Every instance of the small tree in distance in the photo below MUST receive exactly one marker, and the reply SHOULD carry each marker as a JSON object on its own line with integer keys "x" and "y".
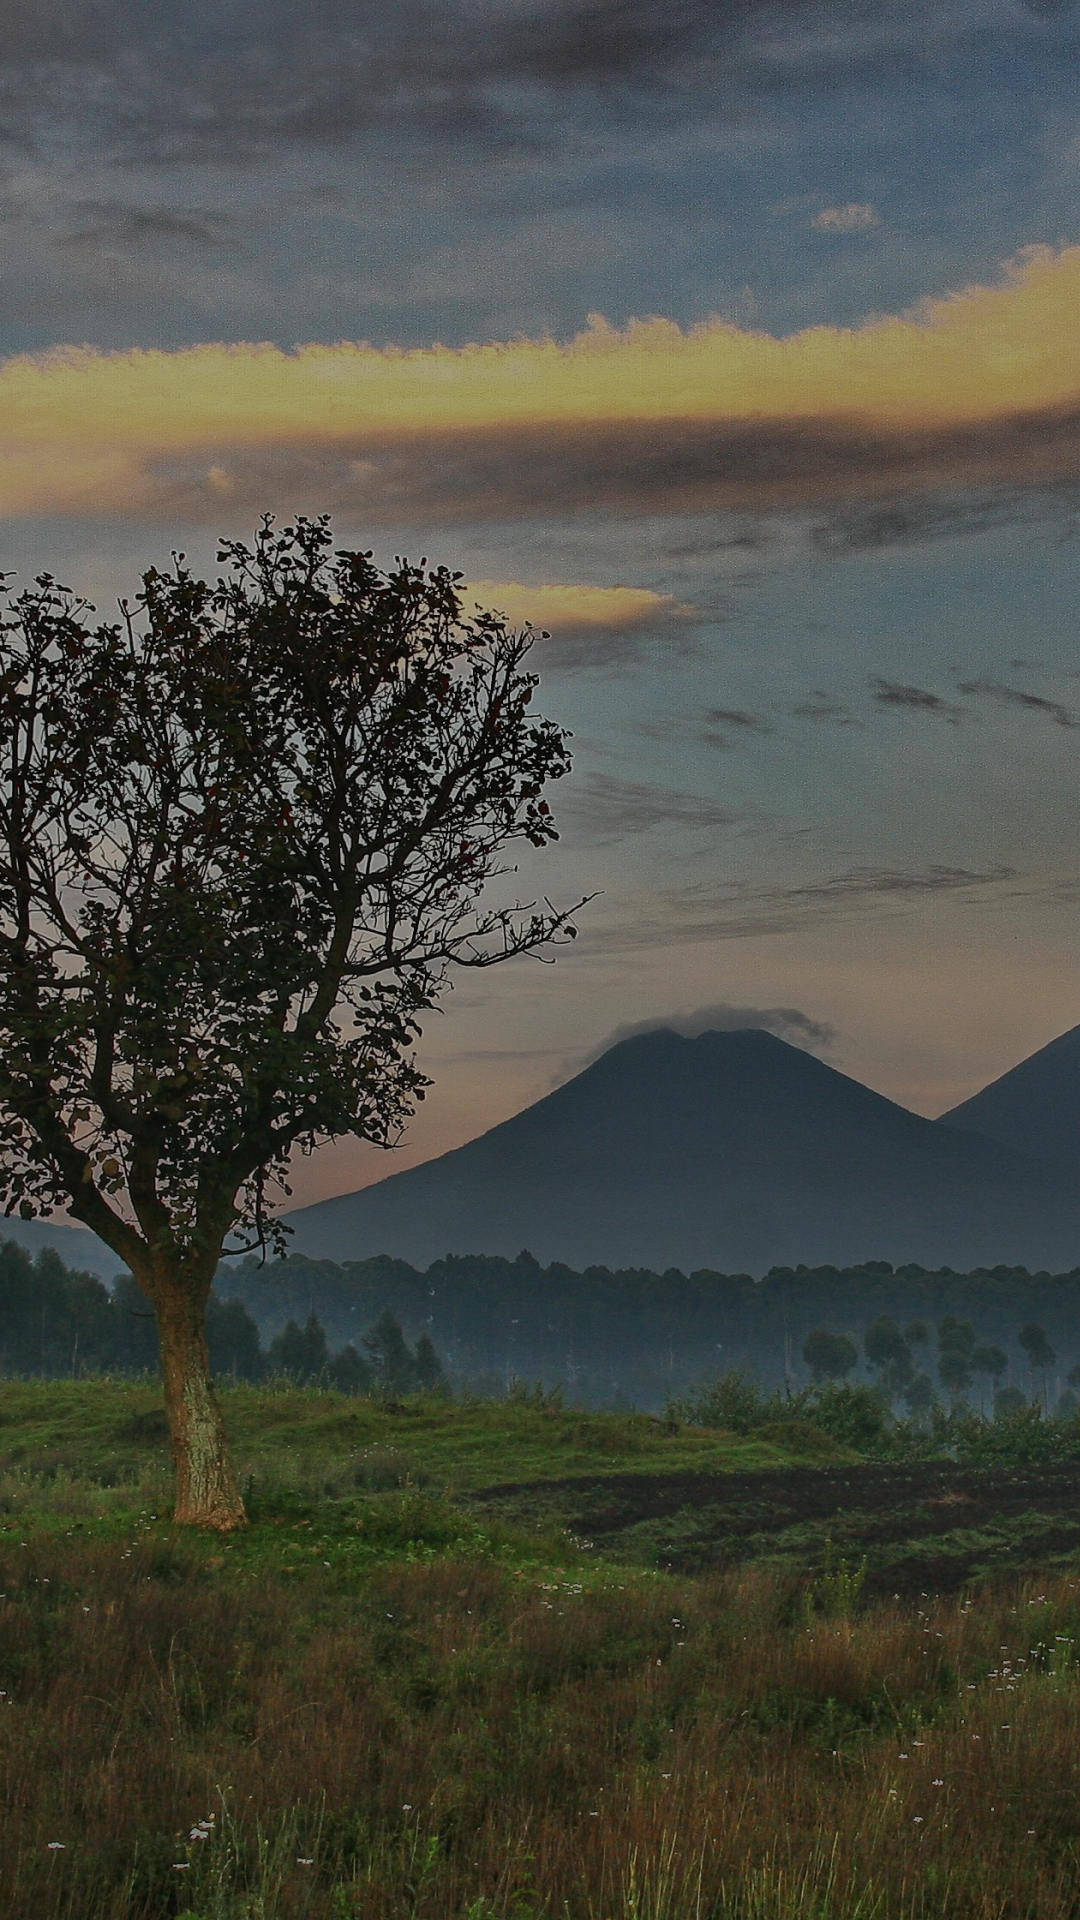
{"x": 245, "y": 833}
{"x": 300, "y": 1353}
{"x": 956, "y": 1343}
{"x": 391, "y": 1358}
{"x": 1040, "y": 1353}
{"x": 887, "y": 1350}
{"x": 829, "y": 1356}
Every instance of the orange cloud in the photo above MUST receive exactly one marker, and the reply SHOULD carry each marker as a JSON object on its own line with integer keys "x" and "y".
{"x": 982, "y": 383}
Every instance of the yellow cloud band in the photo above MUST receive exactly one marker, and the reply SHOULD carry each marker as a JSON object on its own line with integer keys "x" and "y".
{"x": 575, "y": 609}
{"x": 86, "y": 432}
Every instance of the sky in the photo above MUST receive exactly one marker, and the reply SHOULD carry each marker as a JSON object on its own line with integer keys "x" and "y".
{"x": 735, "y": 343}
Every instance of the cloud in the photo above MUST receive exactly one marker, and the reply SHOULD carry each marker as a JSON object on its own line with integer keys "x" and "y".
{"x": 585, "y": 625}
{"x": 981, "y": 387}
{"x": 230, "y": 81}
{"x": 605, "y": 809}
{"x": 864, "y": 882}
{"x": 887, "y": 693}
{"x": 110, "y": 224}
{"x": 820, "y": 705}
{"x": 689, "y": 916}
{"x": 858, "y": 528}
{"x": 1061, "y": 715}
{"x": 788, "y": 1023}
{"x": 856, "y": 217}
{"x": 736, "y": 717}
{"x": 725, "y": 725}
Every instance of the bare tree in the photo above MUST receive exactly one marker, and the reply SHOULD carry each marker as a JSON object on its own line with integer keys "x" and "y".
{"x": 245, "y": 833}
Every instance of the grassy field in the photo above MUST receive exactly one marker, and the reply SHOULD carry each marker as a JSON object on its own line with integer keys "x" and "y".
{"x": 409, "y": 1690}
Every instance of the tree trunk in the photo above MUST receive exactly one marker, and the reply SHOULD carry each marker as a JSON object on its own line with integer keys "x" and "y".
{"x": 207, "y": 1492}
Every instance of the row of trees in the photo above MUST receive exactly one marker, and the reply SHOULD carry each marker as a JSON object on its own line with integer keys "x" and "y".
{"x": 635, "y": 1336}
{"x": 55, "y": 1322}
{"x": 898, "y": 1359}
{"x": 385, "y": 1363}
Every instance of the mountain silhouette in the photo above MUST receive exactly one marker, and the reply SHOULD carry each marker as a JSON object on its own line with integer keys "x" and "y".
{"x": 1034, "y": 1108}
{"x": 735, "y": 1151}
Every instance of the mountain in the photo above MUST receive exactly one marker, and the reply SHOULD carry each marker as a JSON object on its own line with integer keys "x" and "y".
{"x": 735, "y": 1151}
{"x": 1034, "y": 1108}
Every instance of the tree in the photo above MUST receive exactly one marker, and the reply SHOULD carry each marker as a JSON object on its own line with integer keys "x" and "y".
{"x": 956, "y": 1342}
{"x": 919, "y": 1395}
{"x": 428, "y": 1368}
{"x": 300, "y": 1353}
{"x": 992, "y": 1360}
{"x": 829, "y": 1356}
{"x": 245, "y": 834}
{"x": 231, "y": 1334}
{"x": 391, "y": 1357}
{"x": 52, "y": 1321}
{"x": 233, "y": 1339}
{"x": 1040, "y": 1353}
{"x": 349, "y": 1372}
{"x": 887, "y": 1350}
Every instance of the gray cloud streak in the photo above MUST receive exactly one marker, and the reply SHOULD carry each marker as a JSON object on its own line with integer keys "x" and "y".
{"x": 820, "y": 705}
{"x": 604, "y": 809}
{"x": 913, "y": 520}
{"x": 1062, "y": 716}
{"x": 889, "y": 693}
{"x": 115, "y": 225}
{"x": 706, "y": 912}
{"x": 725, "y": 724}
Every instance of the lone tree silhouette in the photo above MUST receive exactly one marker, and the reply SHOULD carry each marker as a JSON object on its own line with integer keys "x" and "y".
{"x": 245, "y": 833}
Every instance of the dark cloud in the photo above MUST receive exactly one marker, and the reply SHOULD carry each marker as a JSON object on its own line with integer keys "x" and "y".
{"x": 707, "y": 912}
{"x": 788, "y": 1023}
{"x": 108, "y": 224}
{"x": 868, "y": 882}
{"x": 914, "y": 519}
{"x": 603, "y": 809}
{"x": 507, "y": 472}
{"x": 229, "y": 80}
{"x": 888, "y": 693}
{"x": 1062, "y": 716}
{"x": 746, "y": 538}
{"x": 572, "y": 648}
{"x": 722, "y": 721}
{"x": 820, "y": 705}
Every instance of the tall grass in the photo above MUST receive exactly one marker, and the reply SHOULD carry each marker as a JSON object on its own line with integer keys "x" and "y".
{"x": 459, "y": 1741}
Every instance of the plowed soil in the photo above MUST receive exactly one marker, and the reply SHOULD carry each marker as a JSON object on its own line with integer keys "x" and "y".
{"x": 923, "y": 1527}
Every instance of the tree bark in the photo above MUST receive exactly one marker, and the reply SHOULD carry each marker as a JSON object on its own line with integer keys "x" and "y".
{"x": 207, "y": 1491}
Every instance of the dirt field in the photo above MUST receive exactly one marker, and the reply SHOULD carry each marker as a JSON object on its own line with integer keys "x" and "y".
{"x": 923, "y": 1527}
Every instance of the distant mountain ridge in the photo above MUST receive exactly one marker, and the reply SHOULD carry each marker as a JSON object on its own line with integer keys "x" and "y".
{"x": 735, "y": 1151}
{"x": 1034, "y": 1108}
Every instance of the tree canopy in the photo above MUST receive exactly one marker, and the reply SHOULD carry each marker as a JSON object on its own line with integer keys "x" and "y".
{"x": 246, "y": 831}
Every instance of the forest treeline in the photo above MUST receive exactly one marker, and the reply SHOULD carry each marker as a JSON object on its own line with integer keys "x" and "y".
{"x": 606, "y": 1338}
{"x": 59, "y": 1322}
{"x": 635, "y": 1337}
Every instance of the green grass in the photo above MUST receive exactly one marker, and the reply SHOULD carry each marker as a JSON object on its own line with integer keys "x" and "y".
{"x": 396, "y": 1696}
{"x": 111, "y": 1433}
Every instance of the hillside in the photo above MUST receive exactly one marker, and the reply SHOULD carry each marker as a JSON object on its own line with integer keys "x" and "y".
{"x": 734, "y": 1151}
{"x": 1034, "y": 1108}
